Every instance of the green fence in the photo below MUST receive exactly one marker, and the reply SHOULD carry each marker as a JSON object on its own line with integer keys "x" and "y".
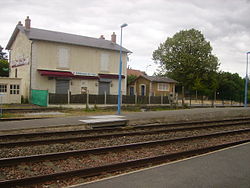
{"x": 39, "y": 97}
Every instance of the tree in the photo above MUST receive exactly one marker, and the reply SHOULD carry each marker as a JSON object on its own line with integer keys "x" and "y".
{"x": 230, "y": 86}
{"x": 187, "y": 57}
{"x": 4, "y": 65}
{"x": 2, "y": 54}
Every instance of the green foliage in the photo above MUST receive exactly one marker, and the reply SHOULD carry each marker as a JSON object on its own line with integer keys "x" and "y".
{"x": 230, "y": 86}
{"x": 3, "y": 55}
{"x": 130, "y": 79}
{"x": 4, "y": 68}
{"x": 187, "y": 57}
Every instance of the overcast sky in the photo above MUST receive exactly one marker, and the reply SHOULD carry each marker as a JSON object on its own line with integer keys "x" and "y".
{"x": 225, "y": 23}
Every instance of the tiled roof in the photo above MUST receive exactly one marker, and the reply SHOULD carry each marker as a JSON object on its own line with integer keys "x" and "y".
{"x": 53, "y": 36}
{"x": 135, "y": 72}
{"x": 159, "y": 79}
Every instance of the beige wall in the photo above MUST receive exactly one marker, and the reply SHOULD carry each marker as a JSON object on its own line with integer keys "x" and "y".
{"x": 81, "y": 59}
{"x": 7, "y": 97}
{"x": 45, "y": 55}
{"x": 76, "y": 84}
{"x": 21, "y": 49}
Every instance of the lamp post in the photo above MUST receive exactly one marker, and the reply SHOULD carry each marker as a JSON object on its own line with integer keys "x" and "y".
{"x": 246, "y": 82}
{"x": 120, "y": 74}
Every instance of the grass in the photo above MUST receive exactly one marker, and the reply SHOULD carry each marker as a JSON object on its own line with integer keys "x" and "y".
{"x": 94, "y": 110}
{"x": 11, "y": 115}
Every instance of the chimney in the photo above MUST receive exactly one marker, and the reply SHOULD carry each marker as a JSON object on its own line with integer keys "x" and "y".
{"x": 113, "y": 37}
{"x": 20, "y": 23}
{"x": 27, "y": 23}
{"x": 102, "y": 37}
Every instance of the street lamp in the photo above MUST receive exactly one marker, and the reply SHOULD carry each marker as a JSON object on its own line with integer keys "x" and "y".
{"x": 120, "y": 74}
{"x": 246, "y": 82}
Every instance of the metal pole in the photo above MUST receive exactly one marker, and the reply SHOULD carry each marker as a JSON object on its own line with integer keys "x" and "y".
{"x": 246, "y": 83}
{"x": 120, "y": 75}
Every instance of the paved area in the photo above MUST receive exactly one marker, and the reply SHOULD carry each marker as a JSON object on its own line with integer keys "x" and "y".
{"x": 226, "y": 168}
{"x": 135, "y": 117}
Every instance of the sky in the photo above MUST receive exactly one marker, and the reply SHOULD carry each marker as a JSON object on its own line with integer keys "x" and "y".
{"x": 225, "y": 23}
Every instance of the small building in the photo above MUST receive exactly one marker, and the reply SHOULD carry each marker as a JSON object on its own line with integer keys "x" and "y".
{"x": 10, "y": 90}
{"x": 61, "y": 62}
{"x": 152, "y": 86}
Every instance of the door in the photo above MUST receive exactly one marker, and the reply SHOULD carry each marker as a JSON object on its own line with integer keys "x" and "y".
{"x": 104, "y": 87}
{"x": 131, "y": 91}
{"x": 143, "y": 90}
{"x": 62, "y": 86}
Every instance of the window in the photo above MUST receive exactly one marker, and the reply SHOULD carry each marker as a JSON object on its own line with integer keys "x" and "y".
{"x": 104, "y": 62}
{"x": 15, "y": 73}
{"x": 162, "y": 87}
{"x": 14, "y": 89}
{"x": 63, "y": 57}
{"x": 3, "y": 88}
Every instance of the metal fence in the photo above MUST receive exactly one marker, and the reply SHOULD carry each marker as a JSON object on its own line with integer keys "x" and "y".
{"x": 105, "y": 99}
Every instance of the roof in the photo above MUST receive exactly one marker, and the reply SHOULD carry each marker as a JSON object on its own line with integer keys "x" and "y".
{"x": 54, "y": 36}
{"x": 135, "y": 72}
{"x": 159, "y": 79}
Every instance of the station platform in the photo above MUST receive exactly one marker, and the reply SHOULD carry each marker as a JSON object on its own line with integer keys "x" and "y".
{"x": 225, "y": 168}
{"x": 132, "y": 118}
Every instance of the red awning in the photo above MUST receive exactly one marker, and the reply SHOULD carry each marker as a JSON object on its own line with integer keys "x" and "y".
{"x": 110, "y": 76}
{"x": 64, "y": 74}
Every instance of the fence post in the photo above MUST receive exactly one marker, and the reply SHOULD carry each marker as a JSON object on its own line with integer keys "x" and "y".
{"x": 183, "y": 97}
{"x": 68, "y": 97}
{"x": 87, "y": 98}
{"x": 161, "y": 99}
{"x": 149, "y": 98}
{"x": 215, "y": 99}
{"x": 190, "y": 99}
{"x": 135, "y": 98}
{"x": 105, "y": 98}
{"x": 170, "y": 101}
{"x": 47, "y": 97}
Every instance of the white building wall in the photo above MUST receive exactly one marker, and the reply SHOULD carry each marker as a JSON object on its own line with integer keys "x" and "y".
{"x": 20, "y": 61}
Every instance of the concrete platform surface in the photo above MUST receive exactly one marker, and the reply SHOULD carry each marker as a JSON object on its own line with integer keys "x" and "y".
{"x": 228, "y": 168}
{"x": 134, "y": 118}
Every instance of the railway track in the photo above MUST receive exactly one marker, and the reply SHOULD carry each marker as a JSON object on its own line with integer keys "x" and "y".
{"x": 96, "y": 161}
{"x": 29, "y": 139}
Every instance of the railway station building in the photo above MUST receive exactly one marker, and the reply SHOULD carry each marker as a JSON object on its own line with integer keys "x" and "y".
{"x": 60, "y": 62}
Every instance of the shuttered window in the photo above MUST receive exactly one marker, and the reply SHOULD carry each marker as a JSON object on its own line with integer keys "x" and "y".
{"x": 63, "y": 57}
{"x": 104, "y": 62}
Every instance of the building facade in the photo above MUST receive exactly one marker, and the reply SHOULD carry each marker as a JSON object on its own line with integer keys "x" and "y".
{"x": 62, "y": 63}
{"x": 152, "y": 86}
